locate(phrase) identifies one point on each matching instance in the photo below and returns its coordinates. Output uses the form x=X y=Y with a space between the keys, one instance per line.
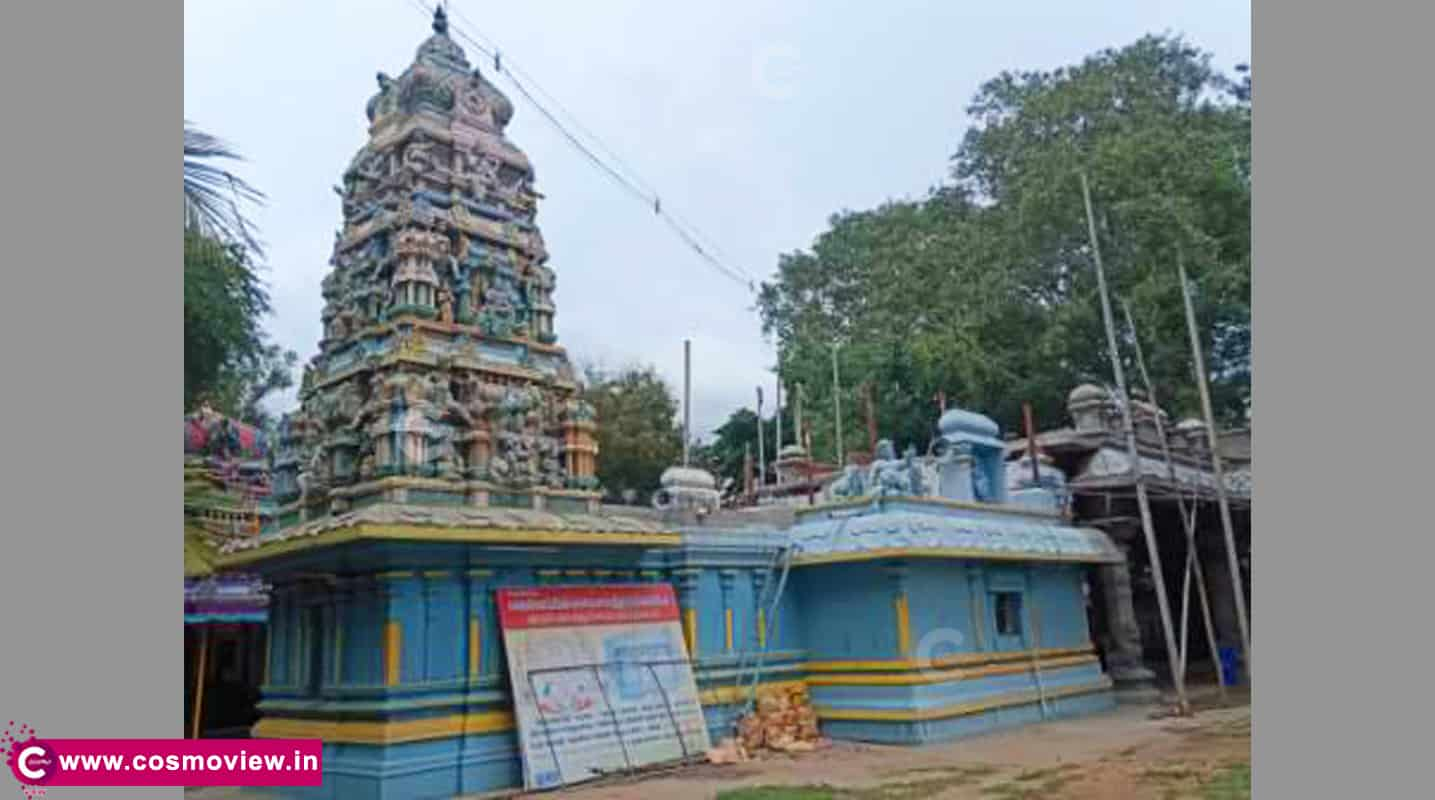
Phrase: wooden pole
x=199 y=675
x=1124 y=399
x=1188 y=519
x=1217 y=471
x=1031 y=450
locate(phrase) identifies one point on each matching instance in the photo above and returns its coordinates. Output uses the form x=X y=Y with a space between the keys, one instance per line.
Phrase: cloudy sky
x=753 y=120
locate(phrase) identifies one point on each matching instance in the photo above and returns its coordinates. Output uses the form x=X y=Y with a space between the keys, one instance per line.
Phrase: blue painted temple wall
x=838 y=629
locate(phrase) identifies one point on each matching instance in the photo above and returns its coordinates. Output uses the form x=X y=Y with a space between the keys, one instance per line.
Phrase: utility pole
x=1217 y=469
x=687 y=397
x=798 y=430
x=761 y=462
x=1134 y=455
x=837 y=408
x=777 y=446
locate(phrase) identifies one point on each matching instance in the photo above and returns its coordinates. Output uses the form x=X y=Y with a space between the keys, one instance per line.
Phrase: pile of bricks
x=783 y=720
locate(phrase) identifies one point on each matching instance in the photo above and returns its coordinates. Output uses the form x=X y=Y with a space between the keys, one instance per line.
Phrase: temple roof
x=478 y=525
x=932 y=528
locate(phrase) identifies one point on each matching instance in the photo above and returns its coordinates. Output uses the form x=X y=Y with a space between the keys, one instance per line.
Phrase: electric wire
x=618 y=170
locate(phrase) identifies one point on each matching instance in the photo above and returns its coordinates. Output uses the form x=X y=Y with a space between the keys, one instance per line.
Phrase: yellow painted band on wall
x=761 y=628
x=393 y=651
x=690 y=631
x=942 y=676
x=962 y=659
x=727 y=629
x=957 y=709
x=474 y=651
x=378 y=732
x=904 y=626
x=726 y=695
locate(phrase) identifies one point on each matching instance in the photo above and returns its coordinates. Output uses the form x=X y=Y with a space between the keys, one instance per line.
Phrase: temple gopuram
x=442 y=463
x=438 y=373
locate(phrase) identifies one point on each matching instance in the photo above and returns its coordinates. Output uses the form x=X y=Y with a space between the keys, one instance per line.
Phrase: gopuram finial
x=440 y=19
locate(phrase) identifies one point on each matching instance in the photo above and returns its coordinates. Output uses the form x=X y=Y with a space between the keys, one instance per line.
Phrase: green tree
x=228 y=359
x=726 y=453
x=984 y=289
x=638 y=432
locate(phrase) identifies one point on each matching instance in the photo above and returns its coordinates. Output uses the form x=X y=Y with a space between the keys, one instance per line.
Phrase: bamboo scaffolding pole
x=1188 y=523
x=1124 y=400
x=1218 y=472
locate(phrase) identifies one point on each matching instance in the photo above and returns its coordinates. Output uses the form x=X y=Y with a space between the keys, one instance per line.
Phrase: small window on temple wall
x=1007 y=606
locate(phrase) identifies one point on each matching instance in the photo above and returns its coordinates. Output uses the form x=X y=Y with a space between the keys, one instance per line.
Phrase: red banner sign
x=567 y=606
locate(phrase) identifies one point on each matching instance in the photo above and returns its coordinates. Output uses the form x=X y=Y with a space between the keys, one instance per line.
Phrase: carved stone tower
x=438 y=374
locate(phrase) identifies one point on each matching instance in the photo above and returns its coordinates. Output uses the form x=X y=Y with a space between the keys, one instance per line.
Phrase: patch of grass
x=1009 y=791
x=933 y=782
x=963 y=770
x=1025 y=786
x=942 y=778
x=1167 y=774
x=1033 y=775
x=780 y=793
x=1231 y=783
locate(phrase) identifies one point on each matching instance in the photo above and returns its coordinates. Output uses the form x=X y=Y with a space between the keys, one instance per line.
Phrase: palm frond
x=213 y=196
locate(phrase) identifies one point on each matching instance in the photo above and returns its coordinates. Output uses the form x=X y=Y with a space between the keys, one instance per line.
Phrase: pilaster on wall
x=977 y=602
x=479 y=610
x=759 y=583
x=334 y=625
x=686 y=581
x=898 y=576
x=400 y=593
x=727 y=579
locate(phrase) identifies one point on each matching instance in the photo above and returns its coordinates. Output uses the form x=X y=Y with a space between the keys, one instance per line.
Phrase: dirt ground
x=1121 y=754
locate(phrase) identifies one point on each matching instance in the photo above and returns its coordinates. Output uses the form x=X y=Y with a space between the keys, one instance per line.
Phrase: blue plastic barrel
x=1230 y=666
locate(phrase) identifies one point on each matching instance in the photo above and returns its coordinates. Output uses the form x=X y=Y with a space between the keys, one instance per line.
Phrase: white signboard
x=601 y=680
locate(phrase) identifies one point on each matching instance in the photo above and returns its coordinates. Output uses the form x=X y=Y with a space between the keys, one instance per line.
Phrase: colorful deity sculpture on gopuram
x=438 y=360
